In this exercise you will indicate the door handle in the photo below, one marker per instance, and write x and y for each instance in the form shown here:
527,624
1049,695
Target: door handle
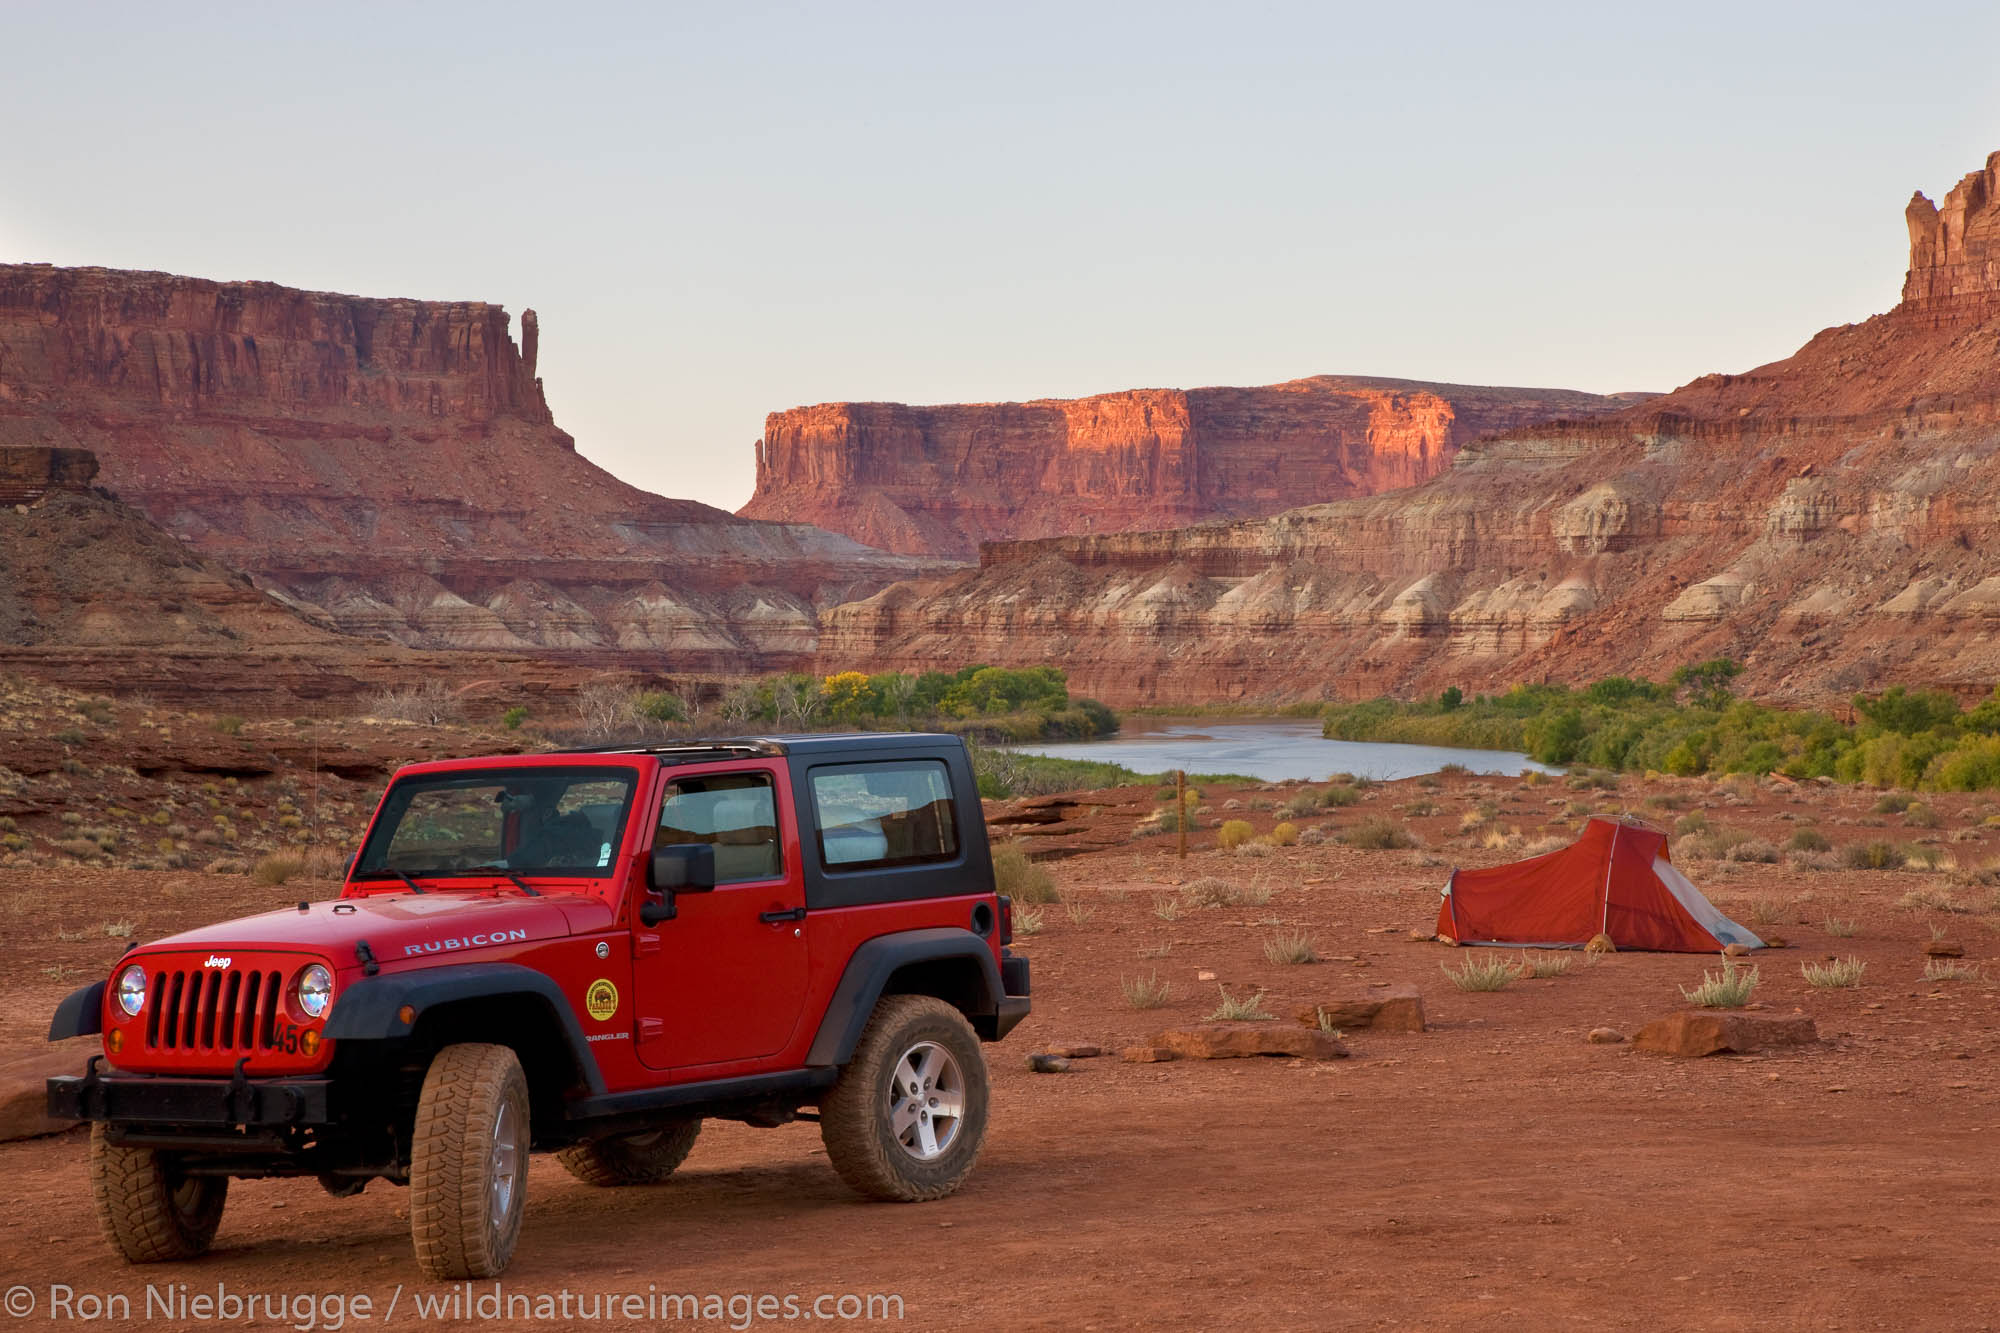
774,918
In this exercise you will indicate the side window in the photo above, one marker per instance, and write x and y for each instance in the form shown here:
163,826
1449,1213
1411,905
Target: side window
736,813
889,814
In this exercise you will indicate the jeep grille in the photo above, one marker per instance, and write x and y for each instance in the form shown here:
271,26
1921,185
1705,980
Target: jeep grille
202,1009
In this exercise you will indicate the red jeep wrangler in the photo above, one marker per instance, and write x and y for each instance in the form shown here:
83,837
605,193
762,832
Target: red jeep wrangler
587,952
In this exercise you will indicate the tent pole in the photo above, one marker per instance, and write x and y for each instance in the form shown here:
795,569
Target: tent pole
1610,858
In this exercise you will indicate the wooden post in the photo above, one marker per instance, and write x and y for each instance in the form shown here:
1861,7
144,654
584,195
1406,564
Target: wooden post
1180,808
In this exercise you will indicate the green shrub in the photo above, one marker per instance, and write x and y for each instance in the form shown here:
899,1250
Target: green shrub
1284,834
514,717
1808,840
1871,856
1339,796
1377,835
1021,879
1234,833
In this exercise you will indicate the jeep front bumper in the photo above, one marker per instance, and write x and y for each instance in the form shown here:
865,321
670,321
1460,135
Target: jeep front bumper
216,1103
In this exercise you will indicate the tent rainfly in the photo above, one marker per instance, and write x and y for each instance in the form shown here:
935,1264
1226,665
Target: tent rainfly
1615,880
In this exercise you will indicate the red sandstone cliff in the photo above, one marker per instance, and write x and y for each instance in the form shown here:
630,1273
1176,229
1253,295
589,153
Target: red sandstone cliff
393,464
1830,519
940,480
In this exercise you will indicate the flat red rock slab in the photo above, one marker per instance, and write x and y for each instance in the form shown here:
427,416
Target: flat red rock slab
1392,1009
1234,1041
1697,1032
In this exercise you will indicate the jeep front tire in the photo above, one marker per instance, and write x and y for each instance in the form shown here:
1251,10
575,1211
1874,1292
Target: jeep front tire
151,1213
906,1119
469,1162
632,1159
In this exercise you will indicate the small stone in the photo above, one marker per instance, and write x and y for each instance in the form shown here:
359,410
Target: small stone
1146,1055
1600,944
1944,949
1735,950
1774,942
1041,1063
1077,1052
1204,976
1605,1037
1422,936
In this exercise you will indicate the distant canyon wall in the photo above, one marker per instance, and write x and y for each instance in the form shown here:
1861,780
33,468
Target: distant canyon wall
393,466
1832,520
941,480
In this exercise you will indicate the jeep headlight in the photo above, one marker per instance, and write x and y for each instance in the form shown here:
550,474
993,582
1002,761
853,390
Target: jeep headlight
132,990
315,991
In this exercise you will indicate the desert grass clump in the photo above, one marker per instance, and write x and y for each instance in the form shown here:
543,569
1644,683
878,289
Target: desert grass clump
1472,820
1728,990
1167,907
1285,834
1871,856
119,930
1543,846
1021,879
1311,837
1691,823
1378,835
1147,992
1483,974
1211,891
1027,921
1835,975
1842,928
1949,969
1291,946
1233,1010
1233,834
1301,803
1808,840
1928,900
1545,963
1919,815
278,867
433,703
1254,849
1078,912
1894,803
1339,795
1755,849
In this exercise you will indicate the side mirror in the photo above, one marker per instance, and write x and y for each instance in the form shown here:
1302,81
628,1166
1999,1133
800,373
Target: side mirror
687,867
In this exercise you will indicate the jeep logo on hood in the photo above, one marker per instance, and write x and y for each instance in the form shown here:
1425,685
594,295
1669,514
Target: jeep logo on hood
216,960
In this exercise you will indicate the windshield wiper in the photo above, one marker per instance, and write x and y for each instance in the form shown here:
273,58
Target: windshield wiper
414,886
519,883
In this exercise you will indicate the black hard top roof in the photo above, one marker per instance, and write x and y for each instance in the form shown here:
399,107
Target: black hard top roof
702,752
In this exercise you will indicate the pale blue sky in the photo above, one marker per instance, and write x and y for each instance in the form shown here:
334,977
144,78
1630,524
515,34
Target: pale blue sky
722,210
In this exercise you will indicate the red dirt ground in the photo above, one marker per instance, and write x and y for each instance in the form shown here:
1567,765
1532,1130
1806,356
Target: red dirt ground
1496,1168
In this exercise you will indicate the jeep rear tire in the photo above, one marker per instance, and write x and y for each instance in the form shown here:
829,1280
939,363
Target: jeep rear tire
632,1159
150,1212
905,1120
469,1162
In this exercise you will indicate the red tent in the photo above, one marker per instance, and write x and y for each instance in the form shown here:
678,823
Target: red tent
1615,880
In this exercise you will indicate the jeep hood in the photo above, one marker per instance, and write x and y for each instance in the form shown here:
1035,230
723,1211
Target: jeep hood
399,926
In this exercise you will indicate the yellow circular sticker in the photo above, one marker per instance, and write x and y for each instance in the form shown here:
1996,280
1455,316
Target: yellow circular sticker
601,1000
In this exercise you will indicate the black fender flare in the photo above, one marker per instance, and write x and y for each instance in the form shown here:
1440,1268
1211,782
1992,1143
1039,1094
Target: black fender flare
80,1014
869,970
369,1010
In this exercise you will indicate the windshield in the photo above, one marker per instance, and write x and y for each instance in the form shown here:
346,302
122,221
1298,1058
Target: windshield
562,820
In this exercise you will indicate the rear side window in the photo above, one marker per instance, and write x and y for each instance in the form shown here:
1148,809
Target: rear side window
888,814
736,813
